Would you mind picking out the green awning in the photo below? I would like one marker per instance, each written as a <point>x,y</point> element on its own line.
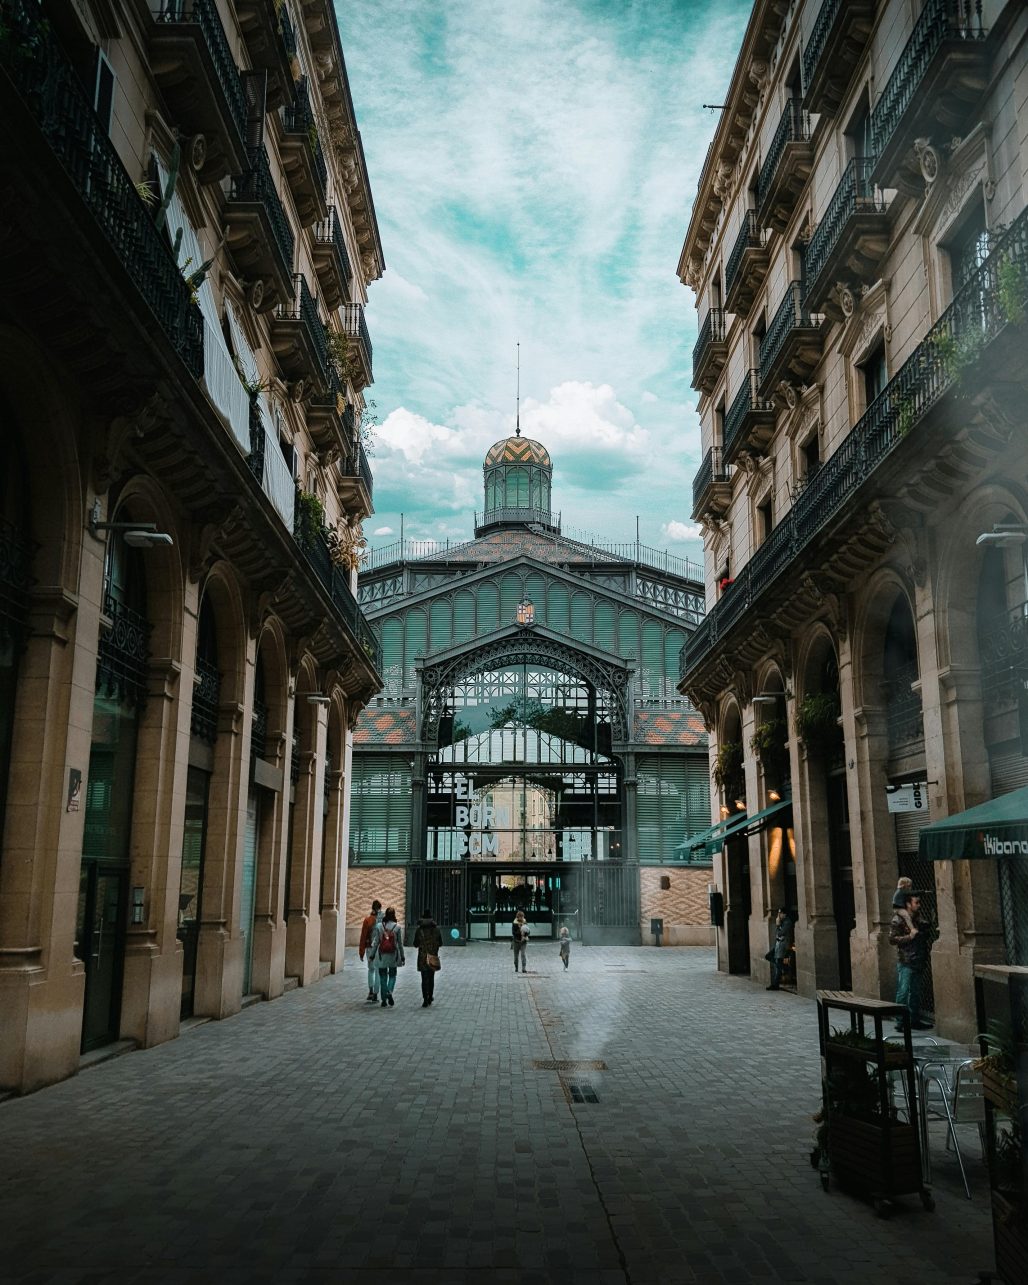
<point>995,829</point>
<point>713,840</point>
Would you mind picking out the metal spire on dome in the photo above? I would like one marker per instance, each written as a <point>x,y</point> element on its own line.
<point>517,430</point>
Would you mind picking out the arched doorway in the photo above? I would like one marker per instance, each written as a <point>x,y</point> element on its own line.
<point>120,695</point>
<point>730,783</point>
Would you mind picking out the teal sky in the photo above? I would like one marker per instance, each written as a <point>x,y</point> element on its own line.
<point>533,165</point>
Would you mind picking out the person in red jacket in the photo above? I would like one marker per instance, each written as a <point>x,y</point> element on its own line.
<point>367,928</point>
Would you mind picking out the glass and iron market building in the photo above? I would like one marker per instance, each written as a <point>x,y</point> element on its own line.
<point>529,748</point>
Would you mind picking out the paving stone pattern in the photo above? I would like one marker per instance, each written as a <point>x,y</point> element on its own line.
<point>321,1139</point>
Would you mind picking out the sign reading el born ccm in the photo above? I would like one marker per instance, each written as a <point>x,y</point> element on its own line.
<point>476,819</point>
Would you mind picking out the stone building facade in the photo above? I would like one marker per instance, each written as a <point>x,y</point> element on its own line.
<point>858,249</point>
<point>182,482</point>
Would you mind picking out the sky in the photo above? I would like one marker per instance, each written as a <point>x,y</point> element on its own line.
<point>533,165</point>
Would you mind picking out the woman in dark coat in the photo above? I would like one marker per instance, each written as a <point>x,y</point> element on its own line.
<point>428,940</point>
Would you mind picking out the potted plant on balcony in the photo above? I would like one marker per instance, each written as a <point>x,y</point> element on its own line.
<point>728,773</point>
<point>1012,291</point>
<point>342,353</point>
<point>817,718</point>
<point>769,744</point>
<point>310,518</point>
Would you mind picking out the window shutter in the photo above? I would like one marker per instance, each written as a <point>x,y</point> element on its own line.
<point>380,808</point>
<point>488,608</point>
<point>440,625</point>
<point>558,609</point>
<point>463,616</point>
<point>582,617</point>
<point>604,627</point>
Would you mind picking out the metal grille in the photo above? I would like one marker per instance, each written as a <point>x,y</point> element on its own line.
<point>123,653</point>
<point>579,1091</point>
<point>1013,897</point>
<point>551,1064</point>
<point>442,888</point>
<point>206,700</point>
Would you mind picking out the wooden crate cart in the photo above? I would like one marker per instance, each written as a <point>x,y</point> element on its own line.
<point>872,1142</point>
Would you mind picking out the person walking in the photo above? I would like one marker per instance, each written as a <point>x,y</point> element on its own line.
<point>912,935</point>
<point>565,946</point>
<point>428,940</point>
<point>519,933</point>
<point>783,944</point>
<point>367,928</point>
<point>387,952</point>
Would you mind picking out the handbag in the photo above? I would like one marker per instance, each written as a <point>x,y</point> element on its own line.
<point>432,961</point>
<point>770,956</point>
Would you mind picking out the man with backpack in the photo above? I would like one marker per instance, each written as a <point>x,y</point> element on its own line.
<point>367,928</point>
<point>387,954</point>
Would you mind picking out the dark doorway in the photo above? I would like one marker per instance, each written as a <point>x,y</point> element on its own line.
<point>737,911</point>
<point>191,886</point>
<point>840,857</point>
<point>100,945</point>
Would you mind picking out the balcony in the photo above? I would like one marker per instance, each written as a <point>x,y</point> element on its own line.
<point>203,715</point>
<point>335,581</point>
<point>746,267</point>
<point>356,328</point>
<point>258,234</point>
<point>834,48</point>
<point>850,241</point>
<point>299,340</point>
<point>271,44</point>
<point>356,484</point>
<point>933,91</point>
<point>978,318</point>
<point>331,260</point>
<point>712,485</point>
<point>1003,647</point>
<point>904,720</point>
<point>710,352</point>
<point>786,168</point>
<point>198,79</point>
<point>53,96</point>
<point>303,159</point>
<point>791,348</point>
<point>750,421</point>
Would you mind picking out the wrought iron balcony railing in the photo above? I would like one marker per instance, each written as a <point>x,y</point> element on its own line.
<point>794,127</point>
<point>203,718</point>
<point>708,347</point>
<point>904,718</point>
<point>938,21</point>
<point>257,185</point>
<point>746,402</point>
<point>123,652</point>
<point>792,315</point>
<point>364,470</point>
<point>257,441</point>
<point>1003,647</point>
<point>987,302</point>
<point>203,14</point>
<point>299,119</point>
<point>334,580</point>
<point>354,325</point>
<point>751,237</point>
<point>710,471</point>
<point>16,552</point>
<point>259,729</point>
<point>288,35</point>
<point>329,232</point>
<point>856,194</point>
<point>303,309</point>
<point>53,94</point>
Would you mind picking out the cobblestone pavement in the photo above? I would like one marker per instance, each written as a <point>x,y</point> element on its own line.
<point>325,1140</point>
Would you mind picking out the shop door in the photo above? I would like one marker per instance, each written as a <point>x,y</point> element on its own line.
<point>191,881</point>
<point>840,856</point>
<point>248,892</point>
<point>531,892</point>
<point>737,911</point>
<point>101,943</point>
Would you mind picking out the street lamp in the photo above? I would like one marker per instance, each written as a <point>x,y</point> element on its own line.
<point>137,535</point>
<point>1004,534</point>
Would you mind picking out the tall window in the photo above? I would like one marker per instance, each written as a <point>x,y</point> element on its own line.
<point>969,249</point>
<point>874,374</point>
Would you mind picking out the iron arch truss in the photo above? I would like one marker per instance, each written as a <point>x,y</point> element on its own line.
<point>524,647</point>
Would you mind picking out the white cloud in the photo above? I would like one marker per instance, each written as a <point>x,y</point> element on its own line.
<point>648,398</point>
<point>675,531</point>
<point>383,530</point>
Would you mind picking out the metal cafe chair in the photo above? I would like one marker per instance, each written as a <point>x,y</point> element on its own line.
<point>963,1102</point>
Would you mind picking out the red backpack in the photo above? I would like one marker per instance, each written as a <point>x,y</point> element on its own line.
<point>387,942</point>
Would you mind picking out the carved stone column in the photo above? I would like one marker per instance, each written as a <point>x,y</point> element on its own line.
<point>303,923</point>
<point>873,839</point>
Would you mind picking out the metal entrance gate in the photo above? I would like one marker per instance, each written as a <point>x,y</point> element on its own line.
<point>607,896</point>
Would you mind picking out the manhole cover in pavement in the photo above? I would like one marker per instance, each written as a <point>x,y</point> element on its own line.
<point>551,1065</point>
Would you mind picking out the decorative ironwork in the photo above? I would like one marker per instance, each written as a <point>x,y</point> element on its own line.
<point>204,15</point>
<point>203,720</point>
<point>746,402</point>
<point>1003,647</point>
<point>828,15</point>
<point>256,184</point>
<point>709,472</point>
<point>524,646</point>
<point>285,29</point>
<point>856,194</point>
<point>294,757</point>
<point>354,325</point>
<point>904,719</point>
<point>751,237</point>
<point>938,21</point>
<point>794,127</point>
<point>15,581</point>
<point>258,438</point>
<point>53,93</point>
<point>299,119</point>
<point>711,332</point>
<point>314,546</point>
<point>792,315</point>
<point>329,232</point>
<point>259,729</point>
<point>303,309</point>
<point>975,317</point>
<point>121,664</point>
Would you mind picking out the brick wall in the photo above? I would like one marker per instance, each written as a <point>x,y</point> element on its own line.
<point>683,906</point>
<point>363,885</point>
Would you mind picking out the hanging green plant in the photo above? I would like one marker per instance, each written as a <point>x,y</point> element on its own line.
<point>728,773</point>
<point>817,717</point>
<point>769,744</point>
<point>1012,291</point>
<point>310,517</point>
